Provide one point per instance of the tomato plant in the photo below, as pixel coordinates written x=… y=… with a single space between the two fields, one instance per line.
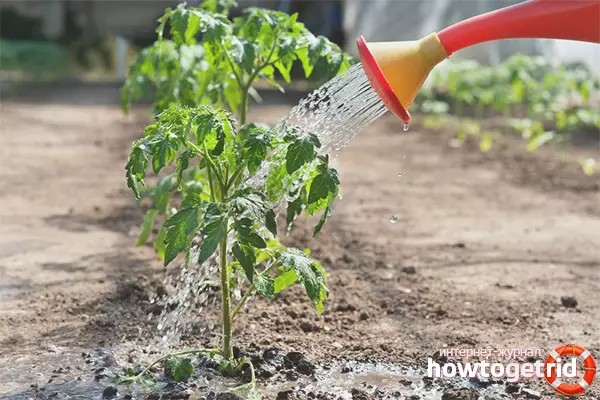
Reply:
x=211 y=196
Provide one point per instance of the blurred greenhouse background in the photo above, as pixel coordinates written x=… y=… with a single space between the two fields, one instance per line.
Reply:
x=89 y=37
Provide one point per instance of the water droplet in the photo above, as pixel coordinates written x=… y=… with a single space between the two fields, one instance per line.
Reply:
x=393 y=219
x=399 y=174
x=405 y=128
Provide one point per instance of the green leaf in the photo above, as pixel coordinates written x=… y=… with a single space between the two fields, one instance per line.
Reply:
x=300 y=152
x=164 y=150
x=147 y=226
x=256 y=241
x=307 y=273
x=320 y=187
x=183 y=162
x=284 y=279
x=159 y=243
x=136 y=169
x=219 y=6
x=244 y=53
x=180 y=369
x=215 y=27
x=256 y=144
x=245 y=256
x=213 y=230
x=265 y=285
x=323 y=188
x=324 y=216
x=184 y=26
x=540 y=140
x=306 y=64
x=270 y=222
x=162 y=192
x=243 y=226
x=248 y=203
x=182 y=225
x=295 y=208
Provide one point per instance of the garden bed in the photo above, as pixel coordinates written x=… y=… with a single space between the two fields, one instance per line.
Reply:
x=484 y=247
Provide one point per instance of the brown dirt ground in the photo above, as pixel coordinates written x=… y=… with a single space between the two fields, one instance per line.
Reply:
x=495 y=240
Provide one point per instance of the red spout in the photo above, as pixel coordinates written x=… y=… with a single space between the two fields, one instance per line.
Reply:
x=549 y=19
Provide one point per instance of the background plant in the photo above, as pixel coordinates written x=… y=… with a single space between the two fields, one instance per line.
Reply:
x=543 y=102
x=211 y=59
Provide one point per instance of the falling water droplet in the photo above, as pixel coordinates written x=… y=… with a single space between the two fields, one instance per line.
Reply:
x=406 y=126
x=393 y=219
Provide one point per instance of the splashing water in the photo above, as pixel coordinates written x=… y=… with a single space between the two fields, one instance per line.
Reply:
x=338 y=110
x=335 y=113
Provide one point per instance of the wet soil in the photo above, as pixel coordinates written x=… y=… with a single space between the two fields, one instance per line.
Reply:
x=484 y=251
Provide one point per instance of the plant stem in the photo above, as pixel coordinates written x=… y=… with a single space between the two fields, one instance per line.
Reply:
x=244 y=105
x=229 y=184
x=226 y=298
x=247 y=295
x=242 y=301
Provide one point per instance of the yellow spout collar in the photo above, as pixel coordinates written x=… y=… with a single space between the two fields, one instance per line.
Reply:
x=407 y=64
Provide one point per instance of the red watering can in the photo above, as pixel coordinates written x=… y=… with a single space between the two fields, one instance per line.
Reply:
x=397 y=70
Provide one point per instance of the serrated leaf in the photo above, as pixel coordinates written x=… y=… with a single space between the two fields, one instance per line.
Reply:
x=271 y=222
x=284 y=69
x=284 y=279
x=182 y=225
x=265 y=285
x=308 y=275
x=185 y=217
x=300 y=152
x=175 y=242
x=164 y=150
x=243 y=226
x=147 y=226
x=179 y=369
x=245 y=256
x=248 y=203
x=136 y=169
x=256 y=144
x=306 y=64
x=255 y=240
x=320 y=187
x=247 y=61
x=213 y=231
x=324 y=216
x=184 y=26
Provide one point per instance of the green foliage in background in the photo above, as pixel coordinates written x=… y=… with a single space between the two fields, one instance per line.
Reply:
x=543 y=102
x=212 y=60
x=31 y=56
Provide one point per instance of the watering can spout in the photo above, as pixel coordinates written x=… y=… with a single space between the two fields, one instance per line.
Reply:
x=397 y=70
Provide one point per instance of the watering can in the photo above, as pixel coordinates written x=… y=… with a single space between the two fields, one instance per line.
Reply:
x=397 y=70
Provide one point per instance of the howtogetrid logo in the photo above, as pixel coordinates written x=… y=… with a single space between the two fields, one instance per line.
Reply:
x=552 y=370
